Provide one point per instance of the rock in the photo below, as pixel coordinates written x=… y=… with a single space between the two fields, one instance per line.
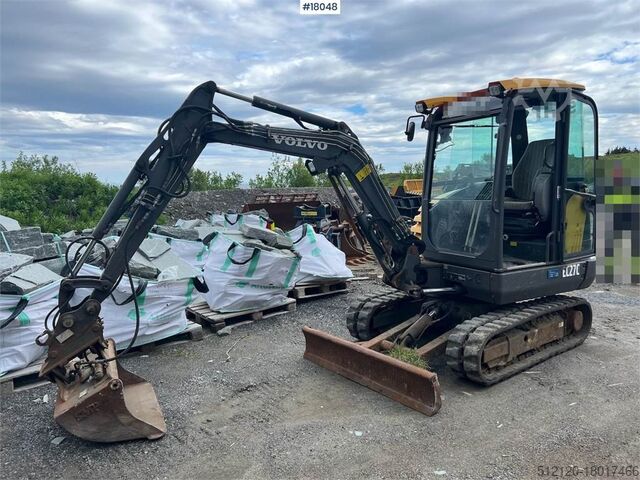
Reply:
x=153 y=248
x=234 y=235
x=251 y=242
x=70 y=235
x=14 y=240
x=269 y=237
x=58 y=440
x=190 y=224
x=142 y=267
x=10 y=262
x=56 y=265
x=117 y=228
x=8 y=224
x=175 y=232
x=196 y=204
x=204 y=231
x=27 y=279
x=155 y=260
x=48 y=237
x=42 y=252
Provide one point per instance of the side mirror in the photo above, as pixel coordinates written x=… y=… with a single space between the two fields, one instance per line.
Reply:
x=410 y=131
x=445 y=135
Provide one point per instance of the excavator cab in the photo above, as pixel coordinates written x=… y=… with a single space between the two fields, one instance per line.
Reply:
x=509 y=187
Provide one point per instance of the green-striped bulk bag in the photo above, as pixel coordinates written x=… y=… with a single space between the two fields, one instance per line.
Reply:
x=17 y=340
x=243 y=277
x=320 y=261
x=192 y=252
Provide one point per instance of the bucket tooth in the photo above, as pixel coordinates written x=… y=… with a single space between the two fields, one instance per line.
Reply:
x=120 y=406
x=414 y=387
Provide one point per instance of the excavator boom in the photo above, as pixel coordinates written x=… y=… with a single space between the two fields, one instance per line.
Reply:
x=100 y=401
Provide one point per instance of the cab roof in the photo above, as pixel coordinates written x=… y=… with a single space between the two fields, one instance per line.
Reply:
x=504 y=85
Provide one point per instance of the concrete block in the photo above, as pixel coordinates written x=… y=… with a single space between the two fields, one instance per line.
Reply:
x=8 y=223
x=175 y=232
x=269 y=237
x=15 y=240
x=27 y=279
x=10 y=262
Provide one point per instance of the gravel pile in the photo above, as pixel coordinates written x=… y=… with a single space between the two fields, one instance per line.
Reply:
x=197 y=204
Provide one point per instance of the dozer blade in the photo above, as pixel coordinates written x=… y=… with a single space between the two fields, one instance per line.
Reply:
x=412 y=386
x=120 y=406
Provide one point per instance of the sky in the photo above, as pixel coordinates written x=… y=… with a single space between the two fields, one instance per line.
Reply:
x=90 y=81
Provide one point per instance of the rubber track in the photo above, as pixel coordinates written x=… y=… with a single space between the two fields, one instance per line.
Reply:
x=363 y=309
x=466 y=354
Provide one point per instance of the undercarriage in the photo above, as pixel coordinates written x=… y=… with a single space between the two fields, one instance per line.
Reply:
x=482 y=343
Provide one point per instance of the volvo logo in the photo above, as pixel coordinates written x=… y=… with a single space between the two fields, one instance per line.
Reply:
x=298 y=142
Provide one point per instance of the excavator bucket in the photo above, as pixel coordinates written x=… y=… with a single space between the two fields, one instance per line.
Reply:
x=414 y=387
x=119 y=406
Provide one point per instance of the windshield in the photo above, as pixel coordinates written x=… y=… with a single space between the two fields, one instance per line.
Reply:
x=461 y=188
x=465 y=153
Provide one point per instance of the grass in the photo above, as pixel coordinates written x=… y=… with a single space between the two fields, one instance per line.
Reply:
x=408 y=355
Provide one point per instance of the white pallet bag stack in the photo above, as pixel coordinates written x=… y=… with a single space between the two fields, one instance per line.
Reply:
x=321 y=261
x=243 y=277
x=17 y=340
x=233 y=221
x=192 y=252
x=161 y=307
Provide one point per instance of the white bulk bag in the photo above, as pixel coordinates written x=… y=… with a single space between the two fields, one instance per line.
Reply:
x=161 y=308
x=194 y=253
x=234 y=220
x=17 y=340
x=241 y=278
x=320 y=261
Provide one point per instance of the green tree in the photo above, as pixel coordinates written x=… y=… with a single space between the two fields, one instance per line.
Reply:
x=618 y=150
x=285 y=172
x=413 y=170
x=202 y=181
x=39 y=190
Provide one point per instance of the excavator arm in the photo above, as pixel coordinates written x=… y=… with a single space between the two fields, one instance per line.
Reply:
x=99 y=400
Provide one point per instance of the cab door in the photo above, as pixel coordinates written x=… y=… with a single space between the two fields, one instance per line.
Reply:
x=578 y=188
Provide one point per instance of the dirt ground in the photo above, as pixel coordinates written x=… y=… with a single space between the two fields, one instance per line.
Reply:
x=268 y=413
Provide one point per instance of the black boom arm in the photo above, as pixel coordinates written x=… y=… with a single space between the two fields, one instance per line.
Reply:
x=162 y=174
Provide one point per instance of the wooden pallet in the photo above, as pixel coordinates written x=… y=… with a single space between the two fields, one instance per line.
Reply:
x=27 y=378
x=364 y=260
x=202 y=314
x=192 y=333
x=315 y=290
x=23 y=379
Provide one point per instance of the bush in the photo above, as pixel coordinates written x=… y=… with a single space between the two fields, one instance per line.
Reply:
x=619 y=150
x=285 y=173
x=41 y=191
x=409 y=171
x=202 y=181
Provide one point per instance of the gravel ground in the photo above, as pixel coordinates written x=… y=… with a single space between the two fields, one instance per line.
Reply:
x=196 y=204
x=268 y=413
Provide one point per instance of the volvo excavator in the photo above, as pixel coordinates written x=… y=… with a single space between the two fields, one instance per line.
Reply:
x=507 y=226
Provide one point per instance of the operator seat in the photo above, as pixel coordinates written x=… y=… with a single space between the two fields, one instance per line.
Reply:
x=527 y=205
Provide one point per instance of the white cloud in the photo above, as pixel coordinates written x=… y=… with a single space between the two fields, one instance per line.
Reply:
x=90 y=81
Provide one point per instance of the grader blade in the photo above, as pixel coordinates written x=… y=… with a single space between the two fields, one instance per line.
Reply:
x=414 y=387
x=117 y=407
